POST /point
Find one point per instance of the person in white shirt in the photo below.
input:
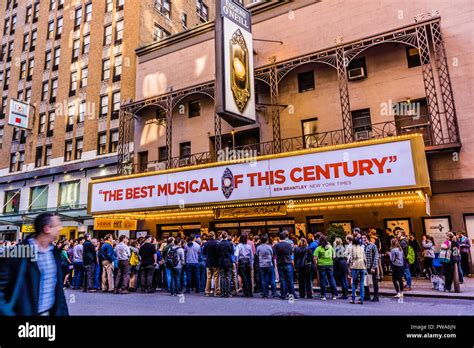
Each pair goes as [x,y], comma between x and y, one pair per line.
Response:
[122,280]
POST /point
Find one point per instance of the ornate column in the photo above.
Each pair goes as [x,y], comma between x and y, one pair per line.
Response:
[344,93]
[275,106]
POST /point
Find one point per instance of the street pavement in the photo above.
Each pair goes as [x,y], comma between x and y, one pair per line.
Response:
[161,303]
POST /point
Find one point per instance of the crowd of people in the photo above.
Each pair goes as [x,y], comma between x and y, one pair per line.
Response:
[226,265]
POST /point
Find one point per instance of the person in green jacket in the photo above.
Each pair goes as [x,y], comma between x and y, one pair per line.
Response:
[324,256]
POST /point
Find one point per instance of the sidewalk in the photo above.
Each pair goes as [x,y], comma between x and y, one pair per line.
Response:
[424,288]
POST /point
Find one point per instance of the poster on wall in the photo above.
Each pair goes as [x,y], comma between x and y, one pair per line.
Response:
[300,229]
[346,225]
[403,223]
[235,100]
[437,227]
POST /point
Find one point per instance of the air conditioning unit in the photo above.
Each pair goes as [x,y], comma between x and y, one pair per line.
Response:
[183,162]
[362,135]
[356,74]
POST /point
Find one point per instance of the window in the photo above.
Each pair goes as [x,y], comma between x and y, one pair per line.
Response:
[34,36]
[29,14]
[102,144]
[117,67]
[36,12]
[44,90]
[39,157]
[20,95]
[159,33]
[413,57]
[84,76]
[2,133]
[57,58]
[47,60]
[164,7]
[12,31]
[306,81]
[361,123]
[54,90]
[202,10]
[119,31]
[104,105]
[79,147]
[42,124]
[357,69]
[76,44]
[4,107]
[6,82]
[106,69]
[142,161]
[82,112]
[6,26]
[39,198]
[22,70]
[120,4]
[28,95]
[73,84]
[3,52]
[109,5]
[77,18]
[12,202]
[31,67]
[185,150]
[50,130]
[11,45]
[114,138]
[48,155]
[59,27]
[50,33]
[69,194]
[108,35]
[162,154]
[60,4]
[26,40]
[86,44]
[194,108]
[184,20]
[71,112]
[88,17]
[68,151]
[310,128]
[16,161]
[52,5]
[115,105]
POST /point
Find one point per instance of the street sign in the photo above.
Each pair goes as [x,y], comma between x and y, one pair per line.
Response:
[19,114]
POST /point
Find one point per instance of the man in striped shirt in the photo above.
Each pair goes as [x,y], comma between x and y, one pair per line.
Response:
[33,285]
[372,257]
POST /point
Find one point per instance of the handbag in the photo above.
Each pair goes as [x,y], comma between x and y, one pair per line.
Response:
[445,256]
[368,281]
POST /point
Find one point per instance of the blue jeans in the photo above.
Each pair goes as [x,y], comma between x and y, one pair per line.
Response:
[192,274]
[285,271]
[78,275]
[202,276]
[267,276]
[356,273]
[168,278]
[407,275]
[96,276]
[175,281]
[327,271]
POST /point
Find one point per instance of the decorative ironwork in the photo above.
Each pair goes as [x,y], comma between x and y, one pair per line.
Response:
[169,130]
[217,134]
[125,150]
[444,82]
[275,106]
[429,83]
[344,95]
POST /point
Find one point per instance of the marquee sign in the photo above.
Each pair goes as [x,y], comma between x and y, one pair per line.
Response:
[114,224]
[19,114]
[234,64]
[371,168]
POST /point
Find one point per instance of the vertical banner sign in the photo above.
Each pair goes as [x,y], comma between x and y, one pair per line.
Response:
[19,114]
[234,64]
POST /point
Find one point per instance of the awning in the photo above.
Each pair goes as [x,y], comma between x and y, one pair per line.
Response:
[78,214]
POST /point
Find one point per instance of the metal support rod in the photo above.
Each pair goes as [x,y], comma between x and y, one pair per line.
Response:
[217,134]
[169,131]
[275,106]
[344,95]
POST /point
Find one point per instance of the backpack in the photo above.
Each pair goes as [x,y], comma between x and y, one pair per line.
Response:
[133,259]
[411,255]
[172,258]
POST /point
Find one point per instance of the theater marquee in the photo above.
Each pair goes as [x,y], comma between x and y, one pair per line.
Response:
[234,64]
[381,166]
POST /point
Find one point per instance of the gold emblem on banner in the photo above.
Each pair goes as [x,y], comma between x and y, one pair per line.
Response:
[240,74]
